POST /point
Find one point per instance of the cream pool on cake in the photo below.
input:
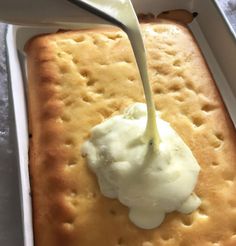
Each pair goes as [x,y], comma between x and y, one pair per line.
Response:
[151,183]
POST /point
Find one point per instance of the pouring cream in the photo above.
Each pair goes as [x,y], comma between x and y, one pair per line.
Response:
[151,183]
[122,13]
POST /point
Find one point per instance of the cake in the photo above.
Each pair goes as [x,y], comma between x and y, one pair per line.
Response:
[76,79]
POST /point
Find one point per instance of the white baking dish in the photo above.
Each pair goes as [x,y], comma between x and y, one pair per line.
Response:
[211,31]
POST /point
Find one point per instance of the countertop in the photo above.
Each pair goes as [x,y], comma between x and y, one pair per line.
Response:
[10,211]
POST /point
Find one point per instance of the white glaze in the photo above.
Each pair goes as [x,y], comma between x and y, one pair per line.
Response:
[150,183]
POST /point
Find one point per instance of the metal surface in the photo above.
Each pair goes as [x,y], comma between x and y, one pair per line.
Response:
[10,216]
[10,209]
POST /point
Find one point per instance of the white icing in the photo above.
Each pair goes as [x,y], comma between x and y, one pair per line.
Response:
[150,183]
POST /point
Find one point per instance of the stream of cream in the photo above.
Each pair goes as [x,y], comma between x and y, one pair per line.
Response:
[124,12]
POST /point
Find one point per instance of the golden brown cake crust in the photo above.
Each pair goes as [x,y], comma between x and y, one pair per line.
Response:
[79,78]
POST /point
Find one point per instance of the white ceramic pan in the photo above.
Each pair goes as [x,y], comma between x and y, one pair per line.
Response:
[210,29]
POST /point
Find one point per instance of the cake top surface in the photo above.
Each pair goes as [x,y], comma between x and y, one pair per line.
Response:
[79,78]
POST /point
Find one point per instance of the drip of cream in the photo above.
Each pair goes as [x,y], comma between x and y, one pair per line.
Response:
[123,12]
[151,183]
